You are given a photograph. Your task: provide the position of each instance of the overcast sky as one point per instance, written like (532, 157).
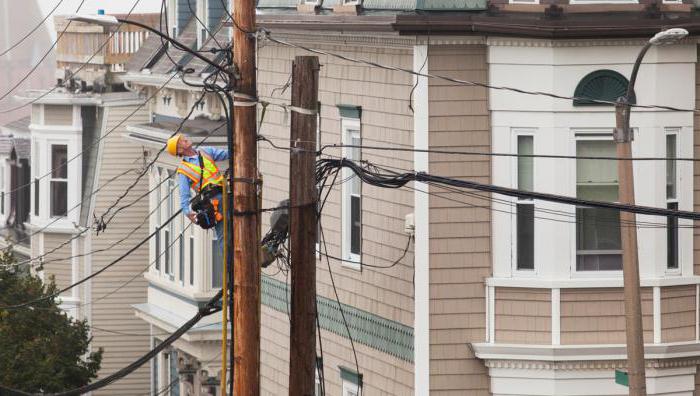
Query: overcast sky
(91, 7)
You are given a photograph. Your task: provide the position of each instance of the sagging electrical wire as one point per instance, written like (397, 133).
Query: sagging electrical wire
(35, 28)
(267, 35)
(211, 307)
(116, 243)
(92, 145)
(82, 65)
(43, 57)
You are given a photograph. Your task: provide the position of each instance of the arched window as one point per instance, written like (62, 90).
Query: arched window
(601, 85)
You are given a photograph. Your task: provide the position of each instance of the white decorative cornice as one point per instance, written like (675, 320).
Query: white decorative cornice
(533, 42)
(587, 364)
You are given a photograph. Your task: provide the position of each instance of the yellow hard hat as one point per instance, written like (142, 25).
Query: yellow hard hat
(171, 146)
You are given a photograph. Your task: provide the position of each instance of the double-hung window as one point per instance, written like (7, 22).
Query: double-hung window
(157, 218)
(671, 199)
(525, 207)
(598, 241)
(59, 180)
(351, 194)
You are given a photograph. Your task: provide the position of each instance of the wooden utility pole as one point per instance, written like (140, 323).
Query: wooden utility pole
(302, 228)
(246, 280)
(630, 261)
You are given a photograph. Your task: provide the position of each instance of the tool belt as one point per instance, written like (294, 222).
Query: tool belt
(206, 207)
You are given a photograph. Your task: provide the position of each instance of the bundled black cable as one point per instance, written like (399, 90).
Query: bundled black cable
(375, 177)
(211, 307)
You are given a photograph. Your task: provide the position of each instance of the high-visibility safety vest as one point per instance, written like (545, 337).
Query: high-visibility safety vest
(208, 175)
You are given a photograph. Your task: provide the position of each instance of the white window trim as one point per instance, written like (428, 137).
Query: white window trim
(351, 2)
(53, 179)
(590, 135)
(524, 1)
(673, 131)
(202, 11)
(603, 2)
(523, 273)
(352, 259)
(348, 387)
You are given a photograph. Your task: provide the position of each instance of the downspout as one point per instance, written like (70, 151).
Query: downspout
(421, 327)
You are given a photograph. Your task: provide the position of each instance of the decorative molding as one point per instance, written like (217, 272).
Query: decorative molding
(531, 42)
(385, 335)
(587, 364)
(451, 40)
(361, 39)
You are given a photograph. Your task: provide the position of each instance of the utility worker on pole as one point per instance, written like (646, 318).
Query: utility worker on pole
(198, 172)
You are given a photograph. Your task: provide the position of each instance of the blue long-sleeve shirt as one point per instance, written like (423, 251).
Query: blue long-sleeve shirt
(185, 183)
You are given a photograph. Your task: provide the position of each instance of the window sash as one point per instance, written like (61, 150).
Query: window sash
(598, 238)
(671, 171)
(525, 234)
(166, 247)
(59, 198)
(217, 265)
(157, 248)
(352, 194)
(191, 260)
(672, 253)
(36, 197)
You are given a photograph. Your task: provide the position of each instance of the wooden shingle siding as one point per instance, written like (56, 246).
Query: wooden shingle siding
(61, 269)
(460, 253)
(386, 121)
(678, 313)
(58, 115)
(115, 312)
(523, 316)
(597, 316)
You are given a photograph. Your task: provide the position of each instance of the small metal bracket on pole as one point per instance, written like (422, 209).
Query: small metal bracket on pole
(622, 133)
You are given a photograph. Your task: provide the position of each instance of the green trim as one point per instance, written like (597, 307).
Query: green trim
(350, 375)
(382, 334)
(350, 111)
(602, 85)
(450, 5)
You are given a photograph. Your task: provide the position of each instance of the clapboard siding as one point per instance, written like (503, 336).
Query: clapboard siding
(523, 316)
(678, 313)
(460, 235)
(382, 374)
(597, 316)
(114, 312)
(387, 121)
(58, 115)
(60, 249)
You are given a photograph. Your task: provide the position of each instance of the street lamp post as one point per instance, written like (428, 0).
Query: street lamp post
(623, 136)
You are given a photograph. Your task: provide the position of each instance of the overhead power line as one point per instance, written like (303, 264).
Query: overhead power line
(35, 28)
(397, 181)
(87, 62)
(267, 35)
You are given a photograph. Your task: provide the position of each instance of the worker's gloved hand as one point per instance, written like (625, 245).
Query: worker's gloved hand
(192, 216)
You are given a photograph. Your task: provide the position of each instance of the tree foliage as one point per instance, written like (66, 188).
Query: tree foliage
(42, 349)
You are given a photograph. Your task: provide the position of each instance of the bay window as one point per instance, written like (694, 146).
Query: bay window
(598, 241)
(59, 180)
